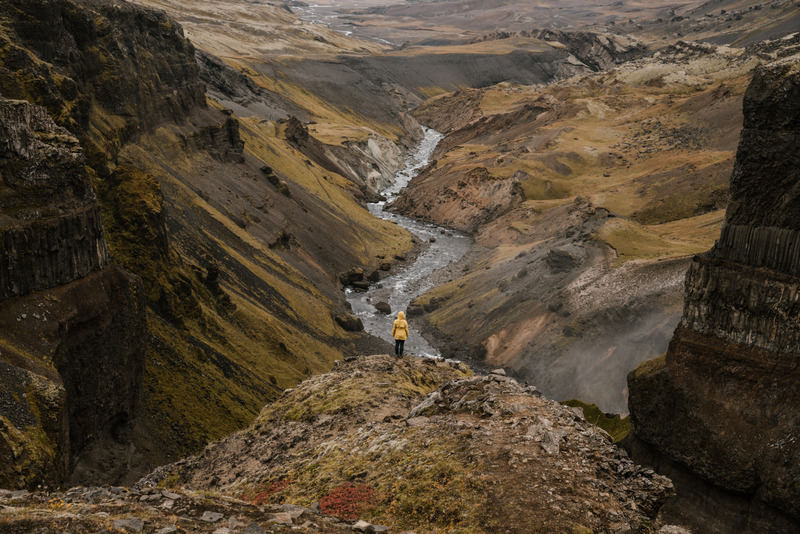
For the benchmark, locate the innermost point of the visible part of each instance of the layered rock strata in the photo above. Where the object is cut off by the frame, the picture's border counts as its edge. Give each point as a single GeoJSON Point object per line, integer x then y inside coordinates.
{"type": "Point", "coordinates": [718, 412]}
{"type": "Point", "coordinates": [71, 324]}
{"type": "Point", "coordinates": [50, 227]}
{"type": "Point", "coordinates": [106, 70]}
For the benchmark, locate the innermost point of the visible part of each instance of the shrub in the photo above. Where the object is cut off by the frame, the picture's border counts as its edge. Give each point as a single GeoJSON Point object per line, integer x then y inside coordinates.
{"type": "Point", "coordinates": [348, 501]}
{"type": "Point", "coordinates": [263, 493]}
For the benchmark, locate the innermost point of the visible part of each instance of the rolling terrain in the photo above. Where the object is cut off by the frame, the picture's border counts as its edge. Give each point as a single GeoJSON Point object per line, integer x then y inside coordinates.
{"type": "Point", "coordinates": [586, 199]}
{"type": "Point", "coordinates": [733, 22]}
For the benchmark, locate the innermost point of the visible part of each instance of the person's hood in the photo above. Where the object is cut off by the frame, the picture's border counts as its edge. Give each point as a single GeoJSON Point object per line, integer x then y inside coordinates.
{"type": "Point", "coordinates": [401, 315]}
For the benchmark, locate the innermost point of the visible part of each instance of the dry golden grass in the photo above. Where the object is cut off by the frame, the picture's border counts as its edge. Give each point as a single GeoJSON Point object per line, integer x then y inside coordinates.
{"type": "Point", "coordinates": [493, 47]}
{"type": "Point", "coordinates": [686, 237]}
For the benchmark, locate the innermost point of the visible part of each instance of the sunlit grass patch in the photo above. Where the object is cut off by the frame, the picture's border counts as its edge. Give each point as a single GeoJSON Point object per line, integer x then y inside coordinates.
{"type": "Point", "coordinates": [633, 241]}
{"type": "Point", "coordinates": [617, 427]}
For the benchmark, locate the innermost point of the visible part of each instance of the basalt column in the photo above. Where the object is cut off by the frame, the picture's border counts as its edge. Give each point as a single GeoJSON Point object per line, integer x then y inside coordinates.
{"type": "Point", "coordinates": [71, 323]}
{"type": "Point", "coordinates": [719, 412]}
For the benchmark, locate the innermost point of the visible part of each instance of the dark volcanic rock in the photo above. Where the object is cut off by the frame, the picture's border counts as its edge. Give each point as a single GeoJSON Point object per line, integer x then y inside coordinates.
{"type": "Point", "coordinates": [50, 227]}
{"type": "Point", "coordinates": [719, 411]}
{"type": "Point", "coordinates": [595, 50]}
{"type": "Point", "coordinates": [221, 141]}
{"type": "Point", "coordinates": [97, 56]}
{"type": "Point", "coordinates": [350, 322]}
{"type": "Point", "coordinates": [238, 91]}
{"type": "Point", "coordinates": [566, 258]}
{"type": "Point", "coordinates": [71, 325]}
{"type": "Point", "coordinates": [383, 307]}
{"type": "Point", "coordinates": [77, 353]}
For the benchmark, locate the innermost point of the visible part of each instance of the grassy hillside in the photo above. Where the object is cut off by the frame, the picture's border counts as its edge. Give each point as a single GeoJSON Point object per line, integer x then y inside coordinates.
{"type": "Point", "coordinates": [236, 234]}
{"type": "Point", "coordinates": [607, 183]}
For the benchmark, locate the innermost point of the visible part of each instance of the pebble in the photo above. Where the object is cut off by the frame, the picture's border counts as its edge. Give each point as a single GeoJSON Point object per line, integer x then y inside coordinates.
{"type": "Point", "coordinates": [211, 517]}
{"type": "Point", "coordinates": [129, 525]}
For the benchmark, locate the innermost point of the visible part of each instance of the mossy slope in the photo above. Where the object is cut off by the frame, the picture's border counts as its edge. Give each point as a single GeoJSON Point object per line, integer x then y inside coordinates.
{"type": "Point", "coordinates": [239, 274]}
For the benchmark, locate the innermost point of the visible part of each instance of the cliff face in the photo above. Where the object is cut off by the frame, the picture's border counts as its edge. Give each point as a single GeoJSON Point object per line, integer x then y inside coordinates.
{"type": "Point", "coordinates": [230, 229]}
{"type": "Point", "coordinates": [596, 51]}
{"type": "Point", "coordinates": [71, 324]}
{"type": "Point", "coordinates": [100, 66]}
{"type": "Point", "coordinates": [50, 227]}
{"type": "Point", "coordinates": [721, 406]}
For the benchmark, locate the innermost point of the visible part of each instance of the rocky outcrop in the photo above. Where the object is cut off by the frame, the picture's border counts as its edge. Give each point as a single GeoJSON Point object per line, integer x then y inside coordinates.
{"type": "Point", "coordinates": [597, 51]}
{"type": "Point", "coordinates": [50, 227]}
{"type": "Point", "coordinates": [380, 437]}
{"type": "Point", "coordinates": [240, 93]}
{"type": "Point", "coordinates": [477, 197]}
{"type": "Point", "coordinates": [720, 409]}
{"type": "Point", "coordinates": [223, 141]}
{"type": "Point", "coordinates": [109, 59]}
{"type": "Point", "coordinates": [71, 324]}
{"type": "Point", "coordinates": [155, 510]}
{"type": "Point", "coordinates": [370, 163]}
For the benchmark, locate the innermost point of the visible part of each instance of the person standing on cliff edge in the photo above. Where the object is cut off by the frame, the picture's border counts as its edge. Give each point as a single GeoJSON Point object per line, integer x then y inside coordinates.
{"type": "Point", "coordinates": [399, 333]}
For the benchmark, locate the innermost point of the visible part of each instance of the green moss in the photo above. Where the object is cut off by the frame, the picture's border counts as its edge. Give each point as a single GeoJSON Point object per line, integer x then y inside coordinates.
{"type": "Point", "coordinates": [359, 391]}
{"type": "Point", "coordinates": [33, 456]}
{"type": "Point", "coordinates": [540, 189]}
{"type": "Point", "coordinates": [683, 206]}
{"type": "Point", "coordinates": [635, 242]}
{"type": "Point", "coordinates": [171, 480]}
{"type": "Point", "coordinates": [428, 490]}
{"type": "Point", "coordinates": [132, 208]}
{"type": "Point", "coordinates": [650, 367]}
{"type": "Point", "coordinates": [617, 427]}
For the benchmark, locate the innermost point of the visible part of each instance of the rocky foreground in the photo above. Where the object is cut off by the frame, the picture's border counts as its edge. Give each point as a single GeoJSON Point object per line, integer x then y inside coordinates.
{"type": "Point", "coordinates": [380, 444]}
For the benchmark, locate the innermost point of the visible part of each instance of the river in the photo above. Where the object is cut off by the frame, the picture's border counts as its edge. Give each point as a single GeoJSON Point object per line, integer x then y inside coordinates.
{"type": "Point", "coordinates": [415, 279]}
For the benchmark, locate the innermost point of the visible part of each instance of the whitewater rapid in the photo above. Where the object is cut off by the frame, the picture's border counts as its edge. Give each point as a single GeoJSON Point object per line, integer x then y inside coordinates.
{"type": "Point", "coordinates": [412, 281]}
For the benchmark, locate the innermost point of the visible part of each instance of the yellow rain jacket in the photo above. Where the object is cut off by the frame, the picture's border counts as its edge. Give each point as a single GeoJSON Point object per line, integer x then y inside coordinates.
{"type": "Point", "coordinates": [400, 327]}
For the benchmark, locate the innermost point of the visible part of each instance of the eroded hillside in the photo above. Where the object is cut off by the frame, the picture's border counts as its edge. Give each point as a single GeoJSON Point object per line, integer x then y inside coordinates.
{"type": "Point", "coordinates": [237, 228]}
{"type": "Point", "coordinates": [586, 199]}
{"type": "Point", "coordinates": [435, 23]}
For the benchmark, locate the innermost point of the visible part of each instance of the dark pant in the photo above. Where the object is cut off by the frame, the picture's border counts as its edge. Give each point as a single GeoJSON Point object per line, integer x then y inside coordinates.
{"type": "Point", "coordinates": [398, 346]}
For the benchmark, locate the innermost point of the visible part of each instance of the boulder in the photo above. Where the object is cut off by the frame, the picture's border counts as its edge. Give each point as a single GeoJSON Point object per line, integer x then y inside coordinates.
{"type": "Point", "coordinates": [415, 310]}
{"type": "Point", "coordinates": [563, 259]}
{"type": "Point", "coordinates": [350, 322]}
{"type": "Point", "coordinates": [383, 307]}
{"type": "Point", "coordinates": [356, 274]}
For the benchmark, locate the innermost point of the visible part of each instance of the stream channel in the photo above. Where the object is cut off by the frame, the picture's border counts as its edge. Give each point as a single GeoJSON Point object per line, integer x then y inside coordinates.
{"type": "Point", "coordinates": [415, 279]}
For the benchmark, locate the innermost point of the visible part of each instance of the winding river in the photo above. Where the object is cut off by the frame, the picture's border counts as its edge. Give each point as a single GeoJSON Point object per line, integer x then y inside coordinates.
{"type": "Point", "coordinates": [401, 288]}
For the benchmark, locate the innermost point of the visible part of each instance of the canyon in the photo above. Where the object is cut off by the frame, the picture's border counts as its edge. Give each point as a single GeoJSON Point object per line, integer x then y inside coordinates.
{"type": "Point", "coordinates": [187, 204]}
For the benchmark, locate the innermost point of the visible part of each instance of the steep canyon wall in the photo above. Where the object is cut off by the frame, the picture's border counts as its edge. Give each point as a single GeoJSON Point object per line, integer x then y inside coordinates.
{"type": "Point", "coordinates": [71, 323]}
{"type": "Point", "coordinates": [232, 233]}
{"type": "Point", "coordinates": [718, 412]}
{"type": "Point", "coordinates": [51, 231]}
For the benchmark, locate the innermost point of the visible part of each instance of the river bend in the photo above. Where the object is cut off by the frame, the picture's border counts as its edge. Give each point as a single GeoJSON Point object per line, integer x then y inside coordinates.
{"type": "Point", "coordinates": [401, 288]}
